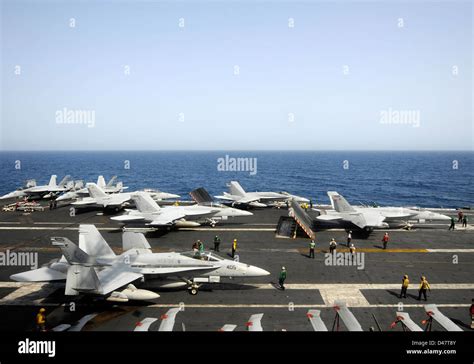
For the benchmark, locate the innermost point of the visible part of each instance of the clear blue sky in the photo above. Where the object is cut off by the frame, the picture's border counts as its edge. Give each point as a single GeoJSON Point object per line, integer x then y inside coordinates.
{"type": "Point", "coordinates": [190, 70]}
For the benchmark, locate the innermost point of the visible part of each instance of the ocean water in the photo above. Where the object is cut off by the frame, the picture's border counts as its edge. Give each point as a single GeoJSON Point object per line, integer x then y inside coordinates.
{"type": "Point", "coordinates": [428, 179]}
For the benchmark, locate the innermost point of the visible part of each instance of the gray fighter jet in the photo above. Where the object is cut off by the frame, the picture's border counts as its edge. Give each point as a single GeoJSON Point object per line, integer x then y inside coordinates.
{"type": "Point", "coordinates": [150, 213]}
{"type": "Point", "coordinates": [31, 190]}
{"type": "Point", "coordinates": [99, 198]}
{"type": "Point", "coordinates": [238, 196]}
{"type": "Point", "coordinates": [369, 218]}
{"type": "Point", "coordinates": [93, 268]}
{"type": "Point", "coordinates": [79, 191]}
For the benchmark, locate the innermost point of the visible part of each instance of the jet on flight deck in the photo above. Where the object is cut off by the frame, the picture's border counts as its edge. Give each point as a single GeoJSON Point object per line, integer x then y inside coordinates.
{"type": "Point", "coordinates": [369, 218]}
{"type": "Point", "coordinates": [92, 268]}
{"type": "Point", "coordinates": [238, 196]}
{"type": "Point", "coordinates": [31, 190]}
{"type": "Point", "coordinates": [150, 213]}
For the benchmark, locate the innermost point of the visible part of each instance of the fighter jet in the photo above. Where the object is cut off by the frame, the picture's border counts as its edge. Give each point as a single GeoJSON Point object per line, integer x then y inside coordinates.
{"type": "Point", "coordinates": [110, 187]}
{"type": "Point", "coordinates": [76, 192]}
{"type": "Point", "coordinates": [158, 195]}
{"type": "Point", "coordinates": [20, 192]}
{"type": "Point", "coordinates": [79, 191]}
{"type": "Point", "coordinates": [369, 218]}
{"type": "Point", "coordinates": [238, 196]}
{"type": "Point", "coordinates": [31, 190]}
{"type": "Point", "coordinates": [101, 199]}
{"type": "Point", "coordinates": [150, 213]}
{"type": "Point", "coordinates": [92, 268]}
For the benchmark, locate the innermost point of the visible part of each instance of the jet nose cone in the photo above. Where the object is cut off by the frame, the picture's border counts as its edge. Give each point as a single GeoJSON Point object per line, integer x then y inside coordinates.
{"type": "Point", "coordinates": [257, 272]}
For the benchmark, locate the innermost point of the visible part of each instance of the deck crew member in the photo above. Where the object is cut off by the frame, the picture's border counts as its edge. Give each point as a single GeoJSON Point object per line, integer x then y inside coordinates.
{"type": "Point", "coordinates": [332, 246]}
{"type": "Point", "coordinates": [41, 320]}
{"type": "Point", "coordinates": [352, 250]}
{"type": "Point", "coordinates": [312, 245]}
{"type": "Point", "coordinates": [282, 278]}
{"type": "Point", "coordinates": [405, 284]}
{"type": "Point", "coordinates": [234, 247]}
{"type": "Point", "coordinates": [217, 243]}
{"type": "Point", "coordinates": [460, 216]}
{"type": "Point", "coordinates": [424, 286]}
{"type": "Point", "coordinates": [464, 221]}
{"type": "Point", "coordinates": [385, 240]}
{"type": "Point", "coordinates": [453, 225]}
{"type": "Point", "coordinates": [349, 238]}
{"type": "Point", "coordinates": [201, 247]}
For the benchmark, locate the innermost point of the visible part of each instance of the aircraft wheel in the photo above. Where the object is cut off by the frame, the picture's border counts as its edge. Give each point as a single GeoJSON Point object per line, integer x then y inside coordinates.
{"type": "Point", "coordinates": [193, 291]}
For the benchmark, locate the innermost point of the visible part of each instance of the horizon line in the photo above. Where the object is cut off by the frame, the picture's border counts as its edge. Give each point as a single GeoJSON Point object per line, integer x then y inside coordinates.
{"type": "Point", "coordinates": [233, 150]}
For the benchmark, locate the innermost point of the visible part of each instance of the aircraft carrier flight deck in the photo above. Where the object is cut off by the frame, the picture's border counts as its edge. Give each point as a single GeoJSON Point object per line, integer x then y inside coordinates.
{"type": "Point", "coordinates": [370, 288]}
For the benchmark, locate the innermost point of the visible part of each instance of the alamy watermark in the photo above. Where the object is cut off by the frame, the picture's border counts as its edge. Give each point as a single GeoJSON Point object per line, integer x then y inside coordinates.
{"type": "Point", "coordinates": [240, 164]}
{"type": "Point", "coordinates": [345, 260]}
{"type": "Point", "coordinates": [12, 259]}
{"type": "Point", "coordinates": [78, 116]}
{"type": "Point", "coordinates": [400, 117]}
{"type": "Point", "coordinates": [28, 346]}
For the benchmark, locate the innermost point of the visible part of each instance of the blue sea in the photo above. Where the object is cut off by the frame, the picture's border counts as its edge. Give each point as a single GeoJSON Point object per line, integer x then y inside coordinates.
{"type": "Point", "coordinates": [430, 179]}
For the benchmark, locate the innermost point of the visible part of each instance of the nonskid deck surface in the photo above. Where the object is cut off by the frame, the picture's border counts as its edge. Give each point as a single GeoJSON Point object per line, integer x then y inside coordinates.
{"type": "Point", "coordinates": [370, 287]}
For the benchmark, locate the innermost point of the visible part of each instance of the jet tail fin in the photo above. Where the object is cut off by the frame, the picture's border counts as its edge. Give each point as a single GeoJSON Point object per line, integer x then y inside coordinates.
{"type": "Point", "coordinates": [101, 181]}
{"type": "Point", "coordinates": [72, 253]}
{"type": "Point", "coordinates": [30, 183]}
{"type": "Point", "coordinates": [81, 279]}
{"type": "Point", "coordinates": [133, 240]}
{"type": "Point", "coordinates": [64, 181]}
{"type": "Point", "coordinates": [52, 181]}
{"type": "Point", "coordinates": [112, 181]}
{"type": "Point", "coordinates": [95, 191]}
{"type": "Point", "coordinates": [92, 242]}
{"type": "Point", "coordinates": [200, 195]}
{"type": "Point", "coordinates": [236, 189]}
{"type": "Point", "coordinates": [145, 203]}
{"type": "Point", "coordinates": [339, 203]}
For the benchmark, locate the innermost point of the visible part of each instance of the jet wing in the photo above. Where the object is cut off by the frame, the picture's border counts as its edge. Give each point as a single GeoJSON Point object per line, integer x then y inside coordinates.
{"type": "Point", "coordinates": [84, 201]}
{"type": "Point", "coordinates": [167, 218]}
{"type": "Point", "coordinates": [395, 216]}
{"type": "Point", "coordinates": [115, 201]}
{"type": "Point", "coordinates": [328, 217]}
{"type": "Point", "coordinates": [114, 277]}
{"type": "Point", "coordinates": [127, 218]}
{"type": "Point", "coordinates": [194, 212]}
{"type": "Point", "coordinates": [247, 199]}
{"type": "Point", "coordinates": [374, 220]}
{"type": "Point", "coordinates": [43, 274]}
{"type": "Point", "coordinates": [178, 270]}
{"type": "Point", "coordinates": [224, 198]}
{"type": "Point", "coordinates": [366, 220]}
